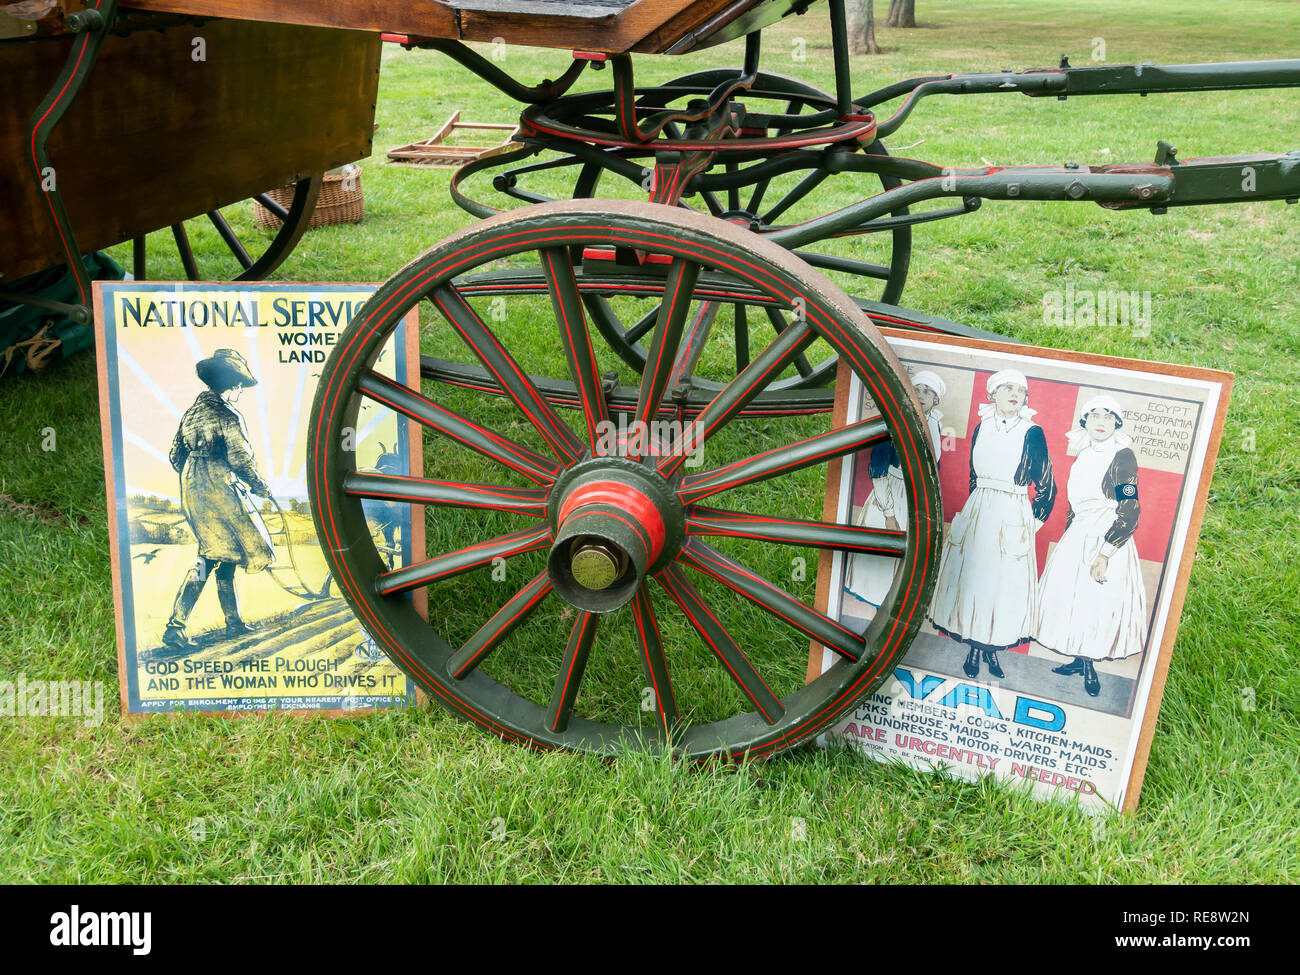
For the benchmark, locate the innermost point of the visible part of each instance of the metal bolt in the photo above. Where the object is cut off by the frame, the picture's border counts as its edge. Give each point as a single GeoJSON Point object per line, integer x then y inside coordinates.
{"type": "Point", "coordinates": [1013, 189]}
{"type": "Point", "coordinates": [1146, 192]}
{"type": "Point", "coordinates": [88, 19]}
{"type": "Point", "coordinates": [595, 565]}
{"type": "Point", "coordinates": [1077, 191]}
{"type": "Point", "coordinates": [1072, 165]}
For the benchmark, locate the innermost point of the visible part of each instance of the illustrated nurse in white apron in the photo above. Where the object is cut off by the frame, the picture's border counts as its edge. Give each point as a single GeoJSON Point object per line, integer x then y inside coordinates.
{"type": "Point", "coordinates": [1091, 601]}
{"type": "Point", "coordinates": [988, 574]}
{"type": "Point", "coordinates": [870, 576]}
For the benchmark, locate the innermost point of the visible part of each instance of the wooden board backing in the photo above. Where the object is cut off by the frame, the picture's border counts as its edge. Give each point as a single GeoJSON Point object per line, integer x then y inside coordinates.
{"type": "Point", "coordinates": [156, 137]}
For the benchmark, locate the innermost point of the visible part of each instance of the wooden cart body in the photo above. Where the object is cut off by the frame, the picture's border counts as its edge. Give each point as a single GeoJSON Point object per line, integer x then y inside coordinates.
{"type": "Point", "coordinates": [175, 122]}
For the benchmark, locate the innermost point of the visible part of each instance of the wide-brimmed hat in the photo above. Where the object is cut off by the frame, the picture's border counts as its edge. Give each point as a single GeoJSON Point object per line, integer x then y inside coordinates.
{"type": "Point", "coordinates": [225, 368]}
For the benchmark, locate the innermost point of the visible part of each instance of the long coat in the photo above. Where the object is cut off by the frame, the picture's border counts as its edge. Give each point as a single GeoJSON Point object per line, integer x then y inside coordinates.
{"type": "Point", "coordinates": [212, 454]}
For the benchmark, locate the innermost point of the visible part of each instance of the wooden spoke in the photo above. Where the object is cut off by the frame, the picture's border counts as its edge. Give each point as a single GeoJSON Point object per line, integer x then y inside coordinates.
{"type": "Point", "coordinates": [726, 649]}
{"type": "Point", "coordinates": [783, 460]}
{"type": "Point", "coordinates": [775, 600]}
{"type": "Point", "coordinates": [656, 665]}
{"type": "Point", "coordinates": [500, 626]}
{"type": "Point", "coordinates": [518, 458]}
{"type": "Point", "coordinates": [232, 241]}
{"type": "Point", "coordinates": [251, 261]}
{"type": "Point", "coordinates": [796, 531]}
{"type": "Point", "coordinates": [571, 670]}
{"type": "Point", "coordinates": [830, 262]}
{"type": "Point", "coordinates": [693, 343]}
{"type": "Point", "coordinates": [451, 494]}
{"type": "Point", "coordinates": [503, 367]}
{"type": "Point", "coordinates": [800, 190]}
{"type": "Point", "coordinates": [462, 560]}
{"type": "Point", "coordinates": [661, 363]}
{"type": "Point", "coordinates": [575, 338]}
{"type": "Point", "coordinates": [780, 324]}
{"type": "Point", "coordinates": [793, 107]}
{"type": "Point", "coordinates": [270, 204]}
{"type": "Point", "coordinates": [187, 254]}
{"type": "Point", "coordinates": [756, 198]}
{"type": "Point", "coordinates": [733, 397]}
{"type": "Point", "coordinates": [742, 337]}
{"type": "Point", "coordinates": [711, 201]}
{"type": "Point", "coordinates": [138, 268]}
{"type": "Point", "coordinates": [647, 322]}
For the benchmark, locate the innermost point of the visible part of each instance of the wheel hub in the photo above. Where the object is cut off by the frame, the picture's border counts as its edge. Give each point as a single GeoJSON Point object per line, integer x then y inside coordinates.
{"type": "Point", "coordinates": [615, 521]}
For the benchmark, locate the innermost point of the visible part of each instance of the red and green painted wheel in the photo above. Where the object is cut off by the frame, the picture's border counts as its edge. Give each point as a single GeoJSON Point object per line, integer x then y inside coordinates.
{"type": "Point", "coordinates": [583, 591]}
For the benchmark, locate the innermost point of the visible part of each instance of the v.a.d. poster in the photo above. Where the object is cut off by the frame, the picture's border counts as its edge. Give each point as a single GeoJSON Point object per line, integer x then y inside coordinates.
{"type": "Point", "coordinates": [224, 602]}
{"type": "Point", "coordinates": [1072, 489]}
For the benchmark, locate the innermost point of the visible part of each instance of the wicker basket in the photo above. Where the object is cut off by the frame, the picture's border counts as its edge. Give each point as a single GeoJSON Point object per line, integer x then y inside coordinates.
{"type": "Point", "coordinates": [341, 200]}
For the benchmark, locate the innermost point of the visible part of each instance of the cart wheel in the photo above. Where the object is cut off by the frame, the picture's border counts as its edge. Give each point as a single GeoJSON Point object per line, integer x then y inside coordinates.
{"type": "Point", "coordinates": [584, 596]}
{"type": "Point", "coordinates": [210, 248]}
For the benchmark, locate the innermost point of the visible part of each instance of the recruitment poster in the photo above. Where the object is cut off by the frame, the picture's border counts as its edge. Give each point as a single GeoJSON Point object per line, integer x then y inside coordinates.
{"type": "Point", "coordinates": [1073, 487]}
{"type": "Point", "coordinates": [224, 601]}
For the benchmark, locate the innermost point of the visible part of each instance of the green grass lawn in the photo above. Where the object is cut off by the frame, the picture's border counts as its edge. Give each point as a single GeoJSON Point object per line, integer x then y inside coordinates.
{"type": "Point", "coordinates": [420, 796]}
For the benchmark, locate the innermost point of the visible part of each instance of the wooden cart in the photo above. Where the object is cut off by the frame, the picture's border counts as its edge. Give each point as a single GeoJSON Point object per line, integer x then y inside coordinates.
{"type": "Point", "coordinates": [692, 325]}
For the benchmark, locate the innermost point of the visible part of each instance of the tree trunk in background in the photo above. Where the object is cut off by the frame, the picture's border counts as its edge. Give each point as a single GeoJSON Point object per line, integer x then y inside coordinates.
{"type": "Point", "coordinates": [902, 13]}
{"type": "Point", "coordinates": [860, 16]}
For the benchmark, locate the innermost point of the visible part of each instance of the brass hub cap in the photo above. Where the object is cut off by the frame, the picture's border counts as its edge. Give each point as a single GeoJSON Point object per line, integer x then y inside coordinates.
{"type": "Point", "coordinates": [595, 565]}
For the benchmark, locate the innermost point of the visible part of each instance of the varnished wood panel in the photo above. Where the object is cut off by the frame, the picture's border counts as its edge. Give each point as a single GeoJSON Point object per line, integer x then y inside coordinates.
{"type": "Point", "coordinates": [426, 17]}
{"type": "Point", "coordinates": [643, 25]}
{"type": "Point", "coordinates": [704, 24]}
{"type": "Point", "coordinates": [156, 137]}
